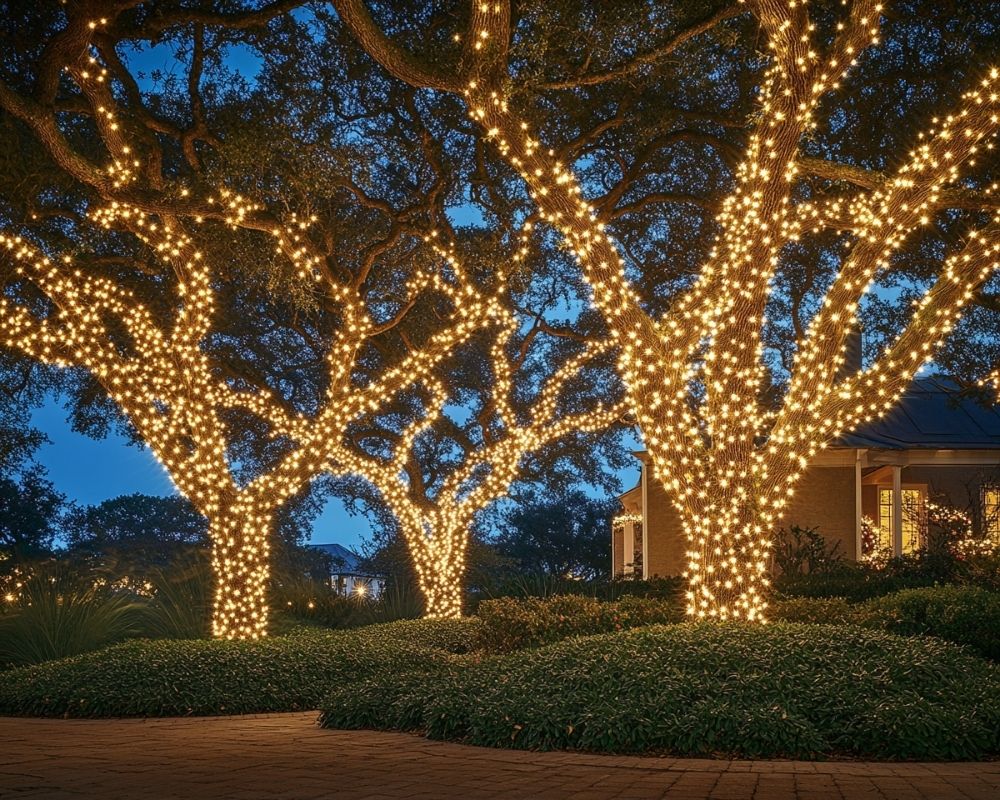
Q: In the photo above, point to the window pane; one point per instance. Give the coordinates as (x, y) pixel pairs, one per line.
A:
(991, 512)
(913, 520)
(885, 513)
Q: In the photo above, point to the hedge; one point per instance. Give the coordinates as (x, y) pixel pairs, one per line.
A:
(783, 690)
(823, 610)
(204, 677)
(855, 584)
(514, 623)
(965, 615)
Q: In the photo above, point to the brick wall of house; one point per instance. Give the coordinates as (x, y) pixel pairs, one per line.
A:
(955, 486)
(824, 498)
(958, 485)
(666, 548)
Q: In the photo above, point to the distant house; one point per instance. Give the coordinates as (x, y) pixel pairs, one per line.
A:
(934, 446)
(346, 573)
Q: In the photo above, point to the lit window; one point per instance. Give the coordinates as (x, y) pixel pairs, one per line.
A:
(991, 513)
(914, 518)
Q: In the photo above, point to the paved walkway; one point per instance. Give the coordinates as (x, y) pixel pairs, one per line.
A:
(287, 756)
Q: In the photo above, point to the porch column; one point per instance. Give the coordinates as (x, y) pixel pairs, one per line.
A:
(857, 505)
(645, 528)
(897, 510)
(628, 548)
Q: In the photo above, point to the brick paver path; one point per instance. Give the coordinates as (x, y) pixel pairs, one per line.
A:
(287, 756)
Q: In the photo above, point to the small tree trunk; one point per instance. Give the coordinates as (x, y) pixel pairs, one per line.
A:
(439, 559)
(240, 549)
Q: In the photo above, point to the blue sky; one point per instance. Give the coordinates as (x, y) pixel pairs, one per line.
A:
(91, 470)
(88, 470)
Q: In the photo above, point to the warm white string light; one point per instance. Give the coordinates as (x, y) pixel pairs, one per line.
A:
(168, 389)
(165, 383)
(436, 528)
(729, 489)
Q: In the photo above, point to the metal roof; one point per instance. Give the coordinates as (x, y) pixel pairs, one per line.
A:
(931, 415)
(344, 561)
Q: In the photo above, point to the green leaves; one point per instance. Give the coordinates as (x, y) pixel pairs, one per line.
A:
(181, 677)
(513, 623)
(782, 690)
(964, 614)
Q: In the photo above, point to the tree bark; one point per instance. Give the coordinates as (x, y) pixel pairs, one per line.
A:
(240, 548)
(442, 597)
(439, 561)
(728, 552)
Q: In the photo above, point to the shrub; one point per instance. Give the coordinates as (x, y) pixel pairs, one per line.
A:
(58, 614)
(854, 583)
(181, 600)
(980, 568)
(822, 610)
(511, 624)
(317, 603)
(924, 568)
(544, 585)
(967, 615)
(171, 677)
(745, 691)
(799, 551)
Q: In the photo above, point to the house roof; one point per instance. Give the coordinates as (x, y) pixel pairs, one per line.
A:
(931, 415)
(344, 561)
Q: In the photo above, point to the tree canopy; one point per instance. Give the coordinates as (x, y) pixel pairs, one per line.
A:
(281, 276)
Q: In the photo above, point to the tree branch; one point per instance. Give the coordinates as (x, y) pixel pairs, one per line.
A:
(395, 60)
(646, 59)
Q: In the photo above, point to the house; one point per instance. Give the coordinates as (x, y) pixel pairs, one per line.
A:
(934, 449)
(346, 573)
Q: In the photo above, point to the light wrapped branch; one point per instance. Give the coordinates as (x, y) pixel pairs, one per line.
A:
(161, 368)
(171, 392)
(884, 219)
(435, 517)
(695, 378)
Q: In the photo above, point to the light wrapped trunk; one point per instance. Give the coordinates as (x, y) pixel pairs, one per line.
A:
(438, 553)
(729, 525)
(727, 567)
(240, 551)
(442, 597)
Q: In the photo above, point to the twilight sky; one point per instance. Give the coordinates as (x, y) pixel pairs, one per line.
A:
(88, 471)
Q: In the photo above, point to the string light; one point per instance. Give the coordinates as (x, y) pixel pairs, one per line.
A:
(729, 463)
(170, 393)
(169, 390)
(436, 528)
(165, 383)
(993, 378)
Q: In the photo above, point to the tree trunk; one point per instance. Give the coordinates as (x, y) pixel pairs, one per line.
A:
(240, 549)
(442, 598)
(439, 559)
(729, 542)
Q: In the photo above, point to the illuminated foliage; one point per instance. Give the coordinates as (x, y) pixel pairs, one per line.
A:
(435, 514)
(728, 439)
